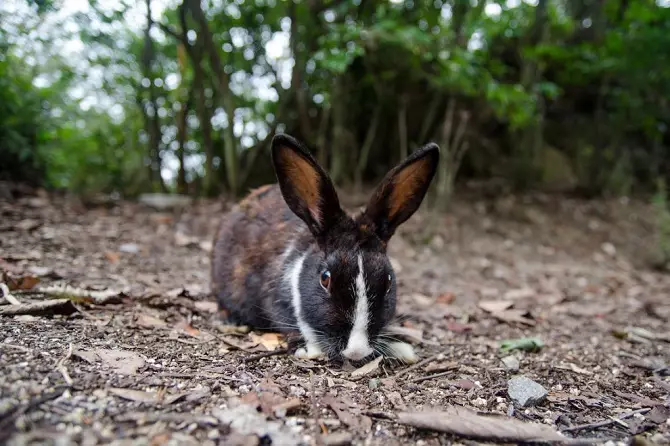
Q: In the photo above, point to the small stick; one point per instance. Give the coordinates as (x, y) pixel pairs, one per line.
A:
(582, 427)
(436, 375)
(417, 365)
(60, 366)
(253, 358)
(8, 296)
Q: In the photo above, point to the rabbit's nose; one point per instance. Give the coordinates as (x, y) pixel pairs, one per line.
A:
(357, 353)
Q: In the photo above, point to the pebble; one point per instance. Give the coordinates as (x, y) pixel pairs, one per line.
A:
(525, 392)
(374, 383)
(511, 362)
(130, 248)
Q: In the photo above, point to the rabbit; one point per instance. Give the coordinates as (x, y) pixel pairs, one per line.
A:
(289, 258)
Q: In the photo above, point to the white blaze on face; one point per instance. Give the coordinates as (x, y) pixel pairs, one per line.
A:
(358, 346)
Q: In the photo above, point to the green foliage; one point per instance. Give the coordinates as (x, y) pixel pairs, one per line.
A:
(583, 83)
(24, 121)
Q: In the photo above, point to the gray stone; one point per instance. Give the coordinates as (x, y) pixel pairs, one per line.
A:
(525, 392)
(511, 362)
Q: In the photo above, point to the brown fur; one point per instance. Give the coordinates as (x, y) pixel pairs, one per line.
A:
(248, 247)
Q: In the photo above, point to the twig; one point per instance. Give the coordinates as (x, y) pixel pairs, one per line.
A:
(279, 351)
(417, 365)
(60, 366)
(426, 378)
(45, 307)
(8, 296)
(604, 423)
(315, 411)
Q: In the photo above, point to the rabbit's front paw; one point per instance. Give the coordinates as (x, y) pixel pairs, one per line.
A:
(403, 352)
(312, 351)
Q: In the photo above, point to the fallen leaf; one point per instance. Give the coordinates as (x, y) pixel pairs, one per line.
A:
(244, 419)
(206, 306)
(458, 327)
(184, 327)
(367, 368)
(494, 306)
(112, 257)
(466, 423)
(514, 316)
(445, 298)
(282, 409)
(342, 411)
(121, 361)
(139, 396)
(271, 341)
(527, 344)
(148, 321)
(22, 283)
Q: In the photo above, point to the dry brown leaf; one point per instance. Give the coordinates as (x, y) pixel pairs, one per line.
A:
(367, 368)
(22, 283)
(139, 396)
(466, 423)
(271, 341)
(514, 316)
(445, 298)
(112, 257)
(148, 321)
(342, 411)
(184, 327)
(121, 361)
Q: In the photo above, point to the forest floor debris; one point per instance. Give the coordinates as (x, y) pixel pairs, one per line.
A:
(141, 355)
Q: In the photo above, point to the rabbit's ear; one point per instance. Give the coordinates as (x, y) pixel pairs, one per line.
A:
(401, 192)
(307, 189)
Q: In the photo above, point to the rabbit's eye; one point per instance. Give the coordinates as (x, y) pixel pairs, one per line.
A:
(388, 284)
(325, 280)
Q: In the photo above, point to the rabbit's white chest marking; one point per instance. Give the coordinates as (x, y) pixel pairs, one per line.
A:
(358, 346)
(312, 347)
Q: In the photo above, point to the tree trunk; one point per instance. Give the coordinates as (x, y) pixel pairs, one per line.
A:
(367, 145)
(223, 88)
(402, 127)
(530, 138)
(209, 183)
(150, 111)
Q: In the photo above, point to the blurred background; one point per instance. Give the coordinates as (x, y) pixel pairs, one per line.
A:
(127, 97)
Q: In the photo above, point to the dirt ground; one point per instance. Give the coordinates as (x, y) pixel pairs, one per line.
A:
(135, 353)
